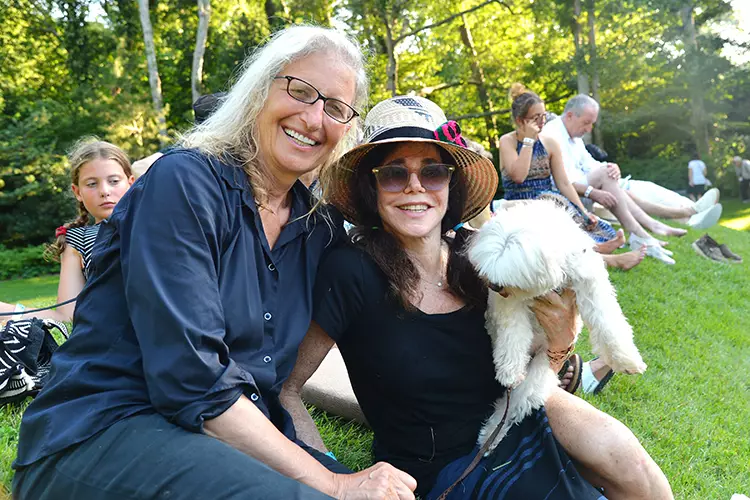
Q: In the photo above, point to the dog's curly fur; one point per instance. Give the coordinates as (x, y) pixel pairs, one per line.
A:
(530, 249)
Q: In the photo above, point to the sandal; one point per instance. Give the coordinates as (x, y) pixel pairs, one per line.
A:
(575, 382)
(591, 385)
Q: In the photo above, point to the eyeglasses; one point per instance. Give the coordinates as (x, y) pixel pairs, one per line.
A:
(395, 178)
(302, 91)
(541, 117)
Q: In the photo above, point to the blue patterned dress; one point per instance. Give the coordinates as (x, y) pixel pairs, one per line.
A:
(538, 186)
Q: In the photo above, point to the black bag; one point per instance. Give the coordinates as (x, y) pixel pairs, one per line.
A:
(26, 348)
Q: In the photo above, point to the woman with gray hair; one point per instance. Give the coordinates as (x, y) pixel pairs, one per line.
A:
(200, 294)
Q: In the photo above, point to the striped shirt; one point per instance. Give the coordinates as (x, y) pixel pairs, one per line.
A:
(82, 240)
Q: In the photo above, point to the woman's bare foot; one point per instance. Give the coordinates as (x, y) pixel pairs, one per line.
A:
(610, 246)
(626, 261)
(663, 230)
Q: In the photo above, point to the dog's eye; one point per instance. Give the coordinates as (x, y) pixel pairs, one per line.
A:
(495, 288)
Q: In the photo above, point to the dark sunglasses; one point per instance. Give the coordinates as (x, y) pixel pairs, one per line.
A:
(395, 178)
(302, 91)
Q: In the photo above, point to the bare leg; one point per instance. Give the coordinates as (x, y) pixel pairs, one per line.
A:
(609, 454)
(650, 223)
(660, 210)
(610, 246)
(630, 215)
(600, 180)
(625, 261)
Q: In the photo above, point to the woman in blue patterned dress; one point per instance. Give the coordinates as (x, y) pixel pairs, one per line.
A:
(530, 163)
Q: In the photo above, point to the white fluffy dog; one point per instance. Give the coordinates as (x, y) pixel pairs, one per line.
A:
(530, 249)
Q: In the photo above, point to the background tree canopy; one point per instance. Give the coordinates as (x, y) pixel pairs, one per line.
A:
(73, 68)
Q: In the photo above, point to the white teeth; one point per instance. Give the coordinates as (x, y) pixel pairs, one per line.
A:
(414, 208)
(301, 138)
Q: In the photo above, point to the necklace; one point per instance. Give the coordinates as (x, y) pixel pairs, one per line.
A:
(439, 282)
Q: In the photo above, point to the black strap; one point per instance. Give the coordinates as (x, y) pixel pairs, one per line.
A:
(480, 454)
(29, 311)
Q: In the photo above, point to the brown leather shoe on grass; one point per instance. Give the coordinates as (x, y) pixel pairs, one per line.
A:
(706, 247)
(728, 255)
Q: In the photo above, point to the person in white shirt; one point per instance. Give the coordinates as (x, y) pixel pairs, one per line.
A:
(600, 181)
(742, 169)
(696, 177)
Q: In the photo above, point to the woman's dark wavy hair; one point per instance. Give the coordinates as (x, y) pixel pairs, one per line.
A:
(389, 255)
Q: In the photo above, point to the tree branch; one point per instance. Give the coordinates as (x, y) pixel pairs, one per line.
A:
(502, 111)
(425, 91)
(480, 115)
(451, 18)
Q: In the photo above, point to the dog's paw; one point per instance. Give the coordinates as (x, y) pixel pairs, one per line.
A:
(632, 365)
(510, 379)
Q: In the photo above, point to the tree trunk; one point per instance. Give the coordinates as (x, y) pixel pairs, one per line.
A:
(391, 68)
(478, 76)
(204, 16)
(580, 54)
(695, 86)
(153, 71)
(594, 70)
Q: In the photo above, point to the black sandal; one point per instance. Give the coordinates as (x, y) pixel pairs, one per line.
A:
(575, 382)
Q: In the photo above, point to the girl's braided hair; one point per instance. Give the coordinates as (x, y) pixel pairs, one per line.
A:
(84, 151)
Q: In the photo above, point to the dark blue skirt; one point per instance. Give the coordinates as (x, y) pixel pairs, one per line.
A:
(528, 464)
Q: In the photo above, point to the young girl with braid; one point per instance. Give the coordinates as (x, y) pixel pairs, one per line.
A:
(100, 174)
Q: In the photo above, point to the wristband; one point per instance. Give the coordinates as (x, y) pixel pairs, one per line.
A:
(588, 191)
(19, 309)
(528, 141)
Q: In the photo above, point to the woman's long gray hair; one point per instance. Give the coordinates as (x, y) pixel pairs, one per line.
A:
(231, 130)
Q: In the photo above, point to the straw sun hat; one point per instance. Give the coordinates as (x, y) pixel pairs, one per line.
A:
(414, 119)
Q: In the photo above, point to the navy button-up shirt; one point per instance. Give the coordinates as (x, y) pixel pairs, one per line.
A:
(187, 307)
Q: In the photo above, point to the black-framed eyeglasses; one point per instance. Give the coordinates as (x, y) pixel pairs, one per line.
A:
(395, 178)
(302, 91)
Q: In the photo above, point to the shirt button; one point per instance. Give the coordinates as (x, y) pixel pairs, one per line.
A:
(271, 267)
(267, 316)
(253, 397)
(266, 359)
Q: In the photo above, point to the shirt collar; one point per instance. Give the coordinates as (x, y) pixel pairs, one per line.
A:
(302, 199)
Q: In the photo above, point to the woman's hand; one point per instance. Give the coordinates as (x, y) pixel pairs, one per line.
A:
(593, 220)
(530, 129)
(557, 315)
(381, 481)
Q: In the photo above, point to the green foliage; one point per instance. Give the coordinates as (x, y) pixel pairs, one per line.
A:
(77, 67)
(25, 263)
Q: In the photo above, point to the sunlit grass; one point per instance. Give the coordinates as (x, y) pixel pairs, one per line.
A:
(736, 215)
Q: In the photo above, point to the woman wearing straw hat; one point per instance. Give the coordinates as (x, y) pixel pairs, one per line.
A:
(407, 312)
(200, 294)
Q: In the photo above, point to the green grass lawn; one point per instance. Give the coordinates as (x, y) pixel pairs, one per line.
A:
(691, 409)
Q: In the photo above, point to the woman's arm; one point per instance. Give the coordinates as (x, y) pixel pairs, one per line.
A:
(690, 176)
(517, 165)
(311, 353)
(558, 173)
(245, 428)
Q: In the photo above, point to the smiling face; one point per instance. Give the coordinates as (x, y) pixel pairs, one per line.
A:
(101, 184)
(413, 212)
(293, 137)
(578, 126)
